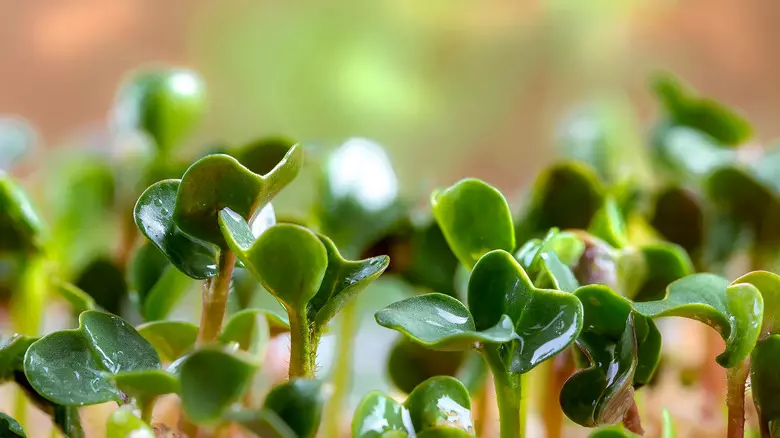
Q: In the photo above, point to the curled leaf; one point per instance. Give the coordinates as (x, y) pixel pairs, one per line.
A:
(440, 401)
(440, 322)
(10, 428)
(20, 225)
(299, 404)
(474, 218)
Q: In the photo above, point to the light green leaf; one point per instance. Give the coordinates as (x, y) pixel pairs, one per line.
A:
(171, 339)
(123, 423)
(378, 414)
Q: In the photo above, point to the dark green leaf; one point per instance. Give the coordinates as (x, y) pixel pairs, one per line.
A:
(679, 217)
(12, 355)
(20, 225)
(768, 284)
(410, 364)
(440, 401)
(74, 367)
(644, 273)
(104, 281)
(441, 322)
(263, 423)
(216, 182)
(344, 279)
(146, 385)
(167, 104)
(289, 260)
(378, 414)
(166, 293)
(474, 218)
(10, 428)
(427, 260)
(212, 380)
(298, 403)
(546, 321)
(765, 381)
(171, 339)
(147, 264)
(154, 217)
(123, 423)
(735, 311)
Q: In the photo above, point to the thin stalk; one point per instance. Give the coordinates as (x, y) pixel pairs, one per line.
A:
(561, 368)
(632, 421)
(214, 297)
(147, 409)
(735, 399)
(342, 369)
(301, 357)
(509, 395)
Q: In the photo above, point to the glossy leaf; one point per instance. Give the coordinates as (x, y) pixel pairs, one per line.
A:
(546, 321)
(165, 103)
(685, 108)
(20, 225)
(474, 218)
(765, 381)
(216, 182)
(289, 260)
(440, 401)
(12, 355)
(343, 280)
(211, 380)
(10, 428)
(73, 367)
(441, 322)
(358, 196)
(735, 311)
(566, 196)
(123, 423)
(378, 414)
(299, 404)
(603, 392)
(768, 284)
(171, 339)
(154, 217)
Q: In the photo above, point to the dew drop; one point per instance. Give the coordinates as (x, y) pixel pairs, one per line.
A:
(164, 211)
(158, 202)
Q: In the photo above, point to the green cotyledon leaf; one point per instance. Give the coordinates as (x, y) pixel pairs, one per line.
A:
(765, 383)
(608, 224)
(435, 406)
(678, 214)
(768, 284)
(299, 403)
(154, 217)
(171, 339)
(165, 103)
(734, 310)
(358, 198)
(10, 428)
(74, 367)
(343, 280)
(566, 196)
(124, 423)
(475, 218)
(289, 260)
(219, 181)
(546, 321)
(261, 155)
(644, 272)
(602, 393)
(548, 260)
(440, 322)
(211, 380)
(251, 329)
(20, 224)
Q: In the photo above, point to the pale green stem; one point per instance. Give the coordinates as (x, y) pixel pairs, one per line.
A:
(509, 395)
(342, 369)
(301, 351)
(215, 294)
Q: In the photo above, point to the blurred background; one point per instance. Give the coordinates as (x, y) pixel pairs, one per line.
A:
(450, 88)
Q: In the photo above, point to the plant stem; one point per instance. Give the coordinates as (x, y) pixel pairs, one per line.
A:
(735, 399)
(561, 367)
(342, 369)
(509, 395)
(632, 421)
(215, 293)
(147, 409)
(301, 357)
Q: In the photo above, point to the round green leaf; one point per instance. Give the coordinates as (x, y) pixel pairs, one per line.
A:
(735, 311)
(410, 364)
(607, 224)
(440, 401)
(154, 217)
(358, 196)
(146, 385)
(74, 367)
(262, 155)
(643, 273)
(171, 339)
(79, 300)
(298, 403)
(768, 284)
(165, 103)
(104, 281)
(262, 423)
(474, 218)
(343, 280)
(20, 225)
(765, 380)
(123, 423)
(10, 428)
(378, 414)
(289, 260)
(441, 322)
(166, 293)
(251, 328)
(211, 380)
(216, 182)
(425, 259)
(678, 215)
(612, 432)
(546, 321)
